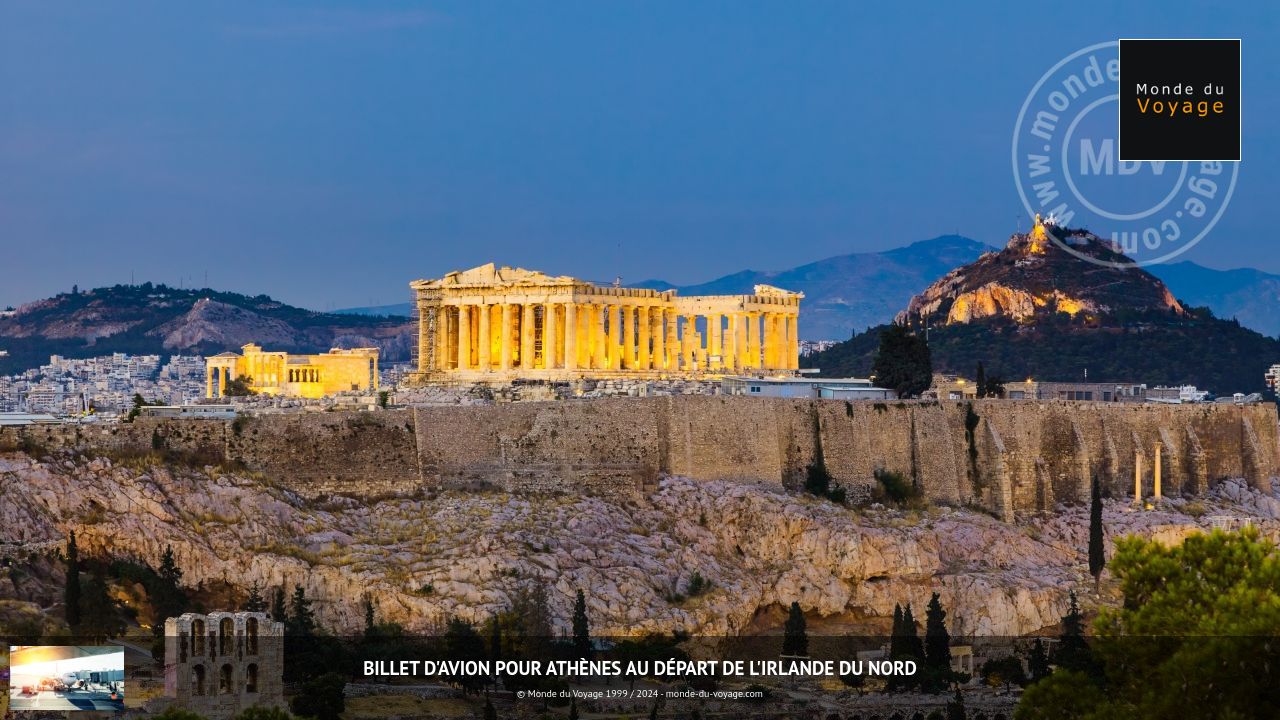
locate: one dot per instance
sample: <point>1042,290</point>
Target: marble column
<point>599,341</point>
<point>730,345</point>
<point>753,340</point>
<point>688,342</point>
<point>658,328</point>
<point>444,338</point>
<point>793,341</point>
<point>642,344</point>
<point>628,337</point>
<point>715,344</point>
<point>549,340</point>
<point>505,339</point>
<point>208,381</point>
<point>485,344</point>
<point>769,339</point>
<point>570,336</point>
<point>614,359</point>
<point>1137,478</point>
<point>424,319</point>
<point>673,340</point>
<point>464,337</point>
<point>527,326</point>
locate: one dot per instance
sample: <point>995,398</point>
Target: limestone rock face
<point>1033,276</point>
<point>465,554</point>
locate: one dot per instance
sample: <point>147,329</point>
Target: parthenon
<point>497,324</point>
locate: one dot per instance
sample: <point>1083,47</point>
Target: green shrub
<point>895,487</point>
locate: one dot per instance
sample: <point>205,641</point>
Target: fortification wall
<point>1009,456</point>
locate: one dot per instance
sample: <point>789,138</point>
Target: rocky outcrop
<point>427,557</point>
<point>210,322</point>
<point>1035,275</point>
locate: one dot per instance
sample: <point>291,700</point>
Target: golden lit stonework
<point>282,373</point>
<point>492,324</point>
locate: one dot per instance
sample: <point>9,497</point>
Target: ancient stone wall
<point>1008,456</point>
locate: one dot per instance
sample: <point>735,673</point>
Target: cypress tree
<point>489,712</point>
<point>897,650</point>
<point>895,637</point>
<point>71,595</point>
<point>581,628</point>
<point>912,647</point>
<point>278,612</point>
<point>1097,555</point>
<point>981,381</point>
<point>955,708</point>
<point>495,639</point>
<point>937,646</point>
<point>368,616</point>
<point>573,709</point>
<point>302,620</point>
<point>795,640</point>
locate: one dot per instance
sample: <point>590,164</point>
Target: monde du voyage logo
<point>1134,140</point>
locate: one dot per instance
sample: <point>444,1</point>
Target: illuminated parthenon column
<point>500,324</point>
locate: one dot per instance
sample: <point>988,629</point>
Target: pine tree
<point>937,646</point>
<point>278,611</point>
<point>71,596</point>
<point>581,628</point>
<point>170,600</point>
<point>98,613</point>
<point>795,640</point>
<point>903,362</point>
<point>1097,555</point>
<point>1073,651</point>
<point>255,602</point>
<point>1038,662</point>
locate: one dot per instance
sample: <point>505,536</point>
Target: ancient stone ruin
<point>224,662</point>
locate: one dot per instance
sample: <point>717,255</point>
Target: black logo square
<point>1179,99</point>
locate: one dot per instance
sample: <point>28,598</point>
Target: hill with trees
<point>1035,310</point>
<point>161,320</point>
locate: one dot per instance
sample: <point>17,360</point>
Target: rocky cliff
<point>433,555</point>
<point>1034,275</point>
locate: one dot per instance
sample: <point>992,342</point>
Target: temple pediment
<point>490,275</point>
<point>771,291</point>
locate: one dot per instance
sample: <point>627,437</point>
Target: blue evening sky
<point>328,153</point>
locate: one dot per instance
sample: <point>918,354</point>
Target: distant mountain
<point>396,310</point>
<point>849,292</point>
<point>1248,295</point>
<point>859,290</point>
<point>1034,310</point>
<point>155,319</point>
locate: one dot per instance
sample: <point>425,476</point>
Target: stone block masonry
<point>1010,457</point>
